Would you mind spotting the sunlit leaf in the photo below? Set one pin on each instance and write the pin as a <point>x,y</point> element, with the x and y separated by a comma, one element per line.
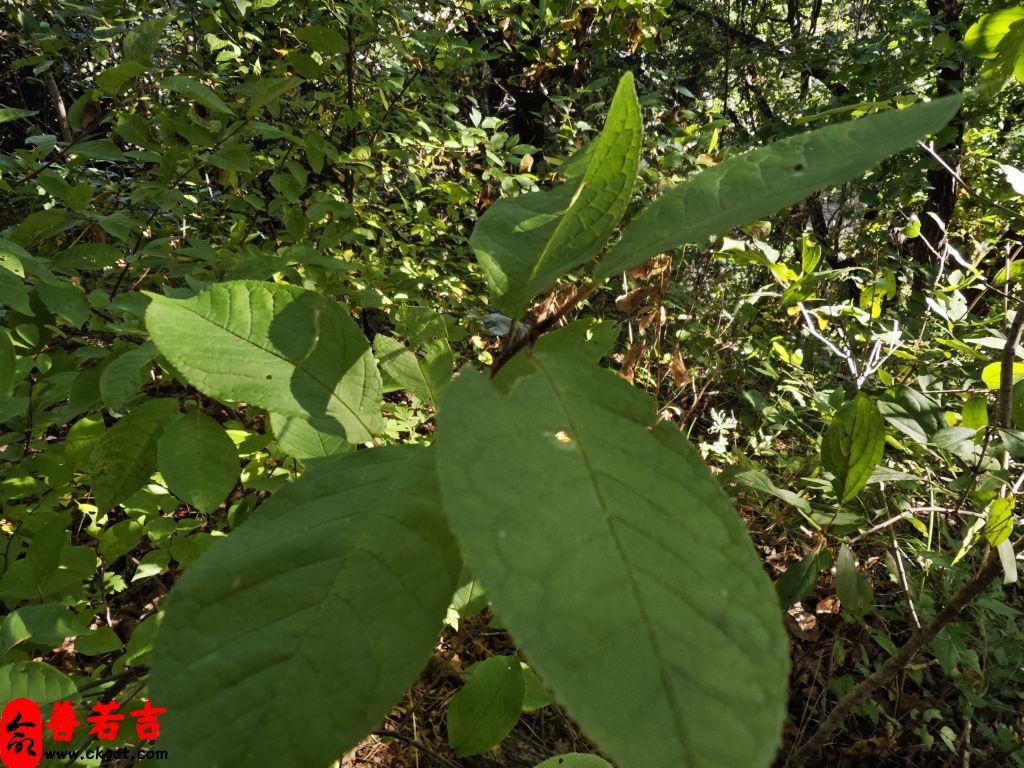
<point>744,188</point>
<point>853,445</point>
<point>983,37</point>
<point>991,374</point>
<point>280,347</point>
<point>999,524</point>
<point>524,243</point>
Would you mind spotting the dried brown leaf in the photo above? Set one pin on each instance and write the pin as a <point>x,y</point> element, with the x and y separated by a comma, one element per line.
<point>628,369</point>
<point>800,622</point>
<point>647,318</point>
<point>829,605</point>
<point>677,369</point>
<point>651,268</point>
<point>628,302</point>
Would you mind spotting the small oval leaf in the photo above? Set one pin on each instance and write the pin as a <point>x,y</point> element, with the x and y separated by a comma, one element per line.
<point>198,460</point>
<point>488,706</point>
<point>853,445</point>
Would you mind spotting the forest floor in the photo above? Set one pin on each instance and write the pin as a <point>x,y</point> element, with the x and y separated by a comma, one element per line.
<point>814,627</point>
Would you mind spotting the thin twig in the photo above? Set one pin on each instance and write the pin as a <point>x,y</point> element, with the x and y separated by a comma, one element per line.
<point>418,745</point>
<point>966,743</point>
<point>967,187</point>
<point>809,752</point>
<point>989,568</point>
<point>908,512</point>
<point>903,578</point>
<point>1005,407</point>
<point>809,321</point>
<point>58,104</point>
<point>882,526</point>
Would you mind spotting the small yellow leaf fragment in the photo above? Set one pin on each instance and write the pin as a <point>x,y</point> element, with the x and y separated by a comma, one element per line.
<point>1008,560</point>
<point>999,523</point>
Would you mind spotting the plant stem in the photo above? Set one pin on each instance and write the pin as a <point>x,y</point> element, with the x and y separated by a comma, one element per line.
<point>58,104</point>
<point>810,750</point>
<point>389,734</point>
<point>1005,406</point>
<point>988,570</point>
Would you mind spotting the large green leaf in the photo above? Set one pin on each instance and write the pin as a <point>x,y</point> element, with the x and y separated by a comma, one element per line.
<point>125,456</point>
<point>618,564</point>
<point>748,186</point>
<point>280,347</point>
<point>984,36</point>
<point>297,633</point>
<point>524,243</point>
<point>35,680</point>
<point>853,445</point>
<point>198,460</point>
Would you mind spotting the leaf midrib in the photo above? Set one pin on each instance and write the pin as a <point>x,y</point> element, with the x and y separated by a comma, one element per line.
<point>678,719</point>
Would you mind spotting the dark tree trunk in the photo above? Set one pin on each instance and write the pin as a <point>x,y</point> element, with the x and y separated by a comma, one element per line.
<point>942,188</point>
